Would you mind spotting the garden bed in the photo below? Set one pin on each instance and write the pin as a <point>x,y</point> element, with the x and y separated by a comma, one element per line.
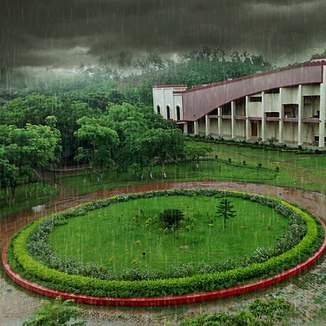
<point>268,264</point>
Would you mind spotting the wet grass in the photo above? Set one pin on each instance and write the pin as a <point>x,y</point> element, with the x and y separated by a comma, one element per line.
<point>126,235</point>
<point>212,169</point>
<point>26,196</point>
<point>305,171</point>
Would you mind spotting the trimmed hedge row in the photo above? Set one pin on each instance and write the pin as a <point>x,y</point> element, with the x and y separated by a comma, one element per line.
<point>36,270</point>
<point>258,144</point>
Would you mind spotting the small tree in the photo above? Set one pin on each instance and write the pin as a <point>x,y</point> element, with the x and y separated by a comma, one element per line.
<point>56,313</point>
<point>171,218</point>
<point>225,210</point>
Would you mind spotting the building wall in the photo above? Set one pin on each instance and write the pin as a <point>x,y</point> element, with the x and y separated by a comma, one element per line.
<point>166,95</point>
<point>214,127</point>
<point>240,129</point>
<point>288,104</point>
<point>199,101</point>
<point>272,130</point>
<point>177,101</point>
<point>272,102</point>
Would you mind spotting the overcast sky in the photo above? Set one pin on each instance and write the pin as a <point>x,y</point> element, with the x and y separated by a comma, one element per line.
<point>64,33</point>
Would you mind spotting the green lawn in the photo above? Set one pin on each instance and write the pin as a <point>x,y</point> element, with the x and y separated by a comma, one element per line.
<point>126,235</point>
<point>207,170</point>
<point>26,196</point>
<point>305,171</point>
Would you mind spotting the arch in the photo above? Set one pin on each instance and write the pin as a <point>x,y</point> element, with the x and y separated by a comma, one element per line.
<point>158,110</point>
<point>168,115</point>
<point>178,112</point>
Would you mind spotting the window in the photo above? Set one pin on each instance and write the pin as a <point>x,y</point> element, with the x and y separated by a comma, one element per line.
<point>158,109</point>
<point>255,99</point>
<point>178,112</point>
<point>168,112</point>
<point>272,91</point>
<point>272,114</point>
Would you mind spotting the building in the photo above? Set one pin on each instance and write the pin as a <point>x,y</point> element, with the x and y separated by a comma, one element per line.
<point>287,104</point>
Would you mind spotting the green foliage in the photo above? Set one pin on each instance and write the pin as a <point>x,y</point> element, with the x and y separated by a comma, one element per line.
<point>98,141</point>
<point>195,151</point>
<point>225,211</point>
<point>26,196</point>
<point>158,146</point>
<point>56,313</point>
<point>171,218</point>
<point>25,150</point>
<point>33,268</point>
<point>259,313</point>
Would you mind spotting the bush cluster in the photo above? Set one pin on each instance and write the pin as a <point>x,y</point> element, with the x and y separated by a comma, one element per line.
<point>303,238</point>
<point>259,313</point>
<point>171,218</point>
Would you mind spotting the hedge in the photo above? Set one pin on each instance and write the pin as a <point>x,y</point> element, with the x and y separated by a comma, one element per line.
<point>33,269</point>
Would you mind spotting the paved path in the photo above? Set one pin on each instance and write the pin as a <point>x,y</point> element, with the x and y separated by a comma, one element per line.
<point>308,294</point>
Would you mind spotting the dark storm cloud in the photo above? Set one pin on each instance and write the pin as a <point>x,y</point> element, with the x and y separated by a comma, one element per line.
<point>63,33</point>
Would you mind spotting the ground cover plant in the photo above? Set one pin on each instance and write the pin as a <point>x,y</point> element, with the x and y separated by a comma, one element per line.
<point>56,313</point>
<point>273,311</point>
<point>28,252</point>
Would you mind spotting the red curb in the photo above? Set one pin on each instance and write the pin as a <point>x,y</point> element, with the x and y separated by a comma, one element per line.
<point>170,300</point>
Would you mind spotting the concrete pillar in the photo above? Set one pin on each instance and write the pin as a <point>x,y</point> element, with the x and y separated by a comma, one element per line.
<point>185,128</point>
<point>219,121</point>
<point>281,122</point>
<point>207,125</point>
<point>247,118</point>
<point>322,111</point>
<point>263,120</point>
<point>300,108</point>
<point>196,127</point>
<point>233,122</point>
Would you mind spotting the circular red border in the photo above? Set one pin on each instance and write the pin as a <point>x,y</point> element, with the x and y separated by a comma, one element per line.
<point>167,300</point>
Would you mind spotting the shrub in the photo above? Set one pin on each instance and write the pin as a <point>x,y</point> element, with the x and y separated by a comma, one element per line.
<point>171,218</point>
<point>259,313</point>
<point>56,312</point>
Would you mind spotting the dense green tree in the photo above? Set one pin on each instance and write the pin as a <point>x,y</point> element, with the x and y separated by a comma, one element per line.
<point>194,151</point>
<point>162,145</point>
<point>130,124</point>
<point>24,151</point>
<point>97,141</point>
<point>35,109</point>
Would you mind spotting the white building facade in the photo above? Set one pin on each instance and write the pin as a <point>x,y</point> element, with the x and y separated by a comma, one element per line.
<point>287,105</point>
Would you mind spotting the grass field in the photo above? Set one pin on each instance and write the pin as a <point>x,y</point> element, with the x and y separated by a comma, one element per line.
<point>127,234</point>
<point>305,171</point>
<point>27,196</point>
